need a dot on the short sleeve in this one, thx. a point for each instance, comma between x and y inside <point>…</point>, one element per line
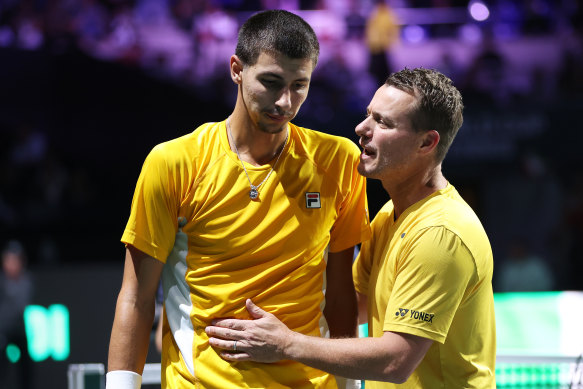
<point>352,225</point>
<point>434,272</point>
<point>361,268</point>
<point>152,224</point>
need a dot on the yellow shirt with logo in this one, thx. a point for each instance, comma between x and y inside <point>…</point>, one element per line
<point>429,273</point>
<point>191,210</point>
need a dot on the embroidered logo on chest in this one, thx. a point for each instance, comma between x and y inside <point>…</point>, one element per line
<point>313,200</point>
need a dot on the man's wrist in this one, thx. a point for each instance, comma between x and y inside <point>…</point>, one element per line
<point>291,347</point>
<point>123,379</point>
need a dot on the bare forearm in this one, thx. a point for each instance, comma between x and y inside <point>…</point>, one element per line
<point>341,309</point>
<point>391,357</point>
<point>351,358</point>
<point>342,320</point>
<point>130,335</point>
<point>342,316</point>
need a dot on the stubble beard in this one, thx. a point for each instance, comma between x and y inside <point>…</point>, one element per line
<point>375,170</point>
<point>362,170</point>
<point>266,129</point>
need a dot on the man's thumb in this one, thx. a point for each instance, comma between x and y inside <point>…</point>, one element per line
<point>254,310</point>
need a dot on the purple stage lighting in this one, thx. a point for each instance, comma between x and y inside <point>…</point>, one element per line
<point>414,33</point>
<point>479,11</point>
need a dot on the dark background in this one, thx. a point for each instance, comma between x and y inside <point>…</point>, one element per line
<point>76,125</point>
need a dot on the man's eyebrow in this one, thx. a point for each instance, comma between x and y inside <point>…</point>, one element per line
<point>377,116</point>
<point>279,77</point>
<point>271,74</point>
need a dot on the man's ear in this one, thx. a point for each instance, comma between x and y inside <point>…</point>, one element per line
<point>430,141</point>
<point>236,69</point>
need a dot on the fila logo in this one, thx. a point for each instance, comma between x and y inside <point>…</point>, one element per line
<point>313,200</point>
<point>402,312</point>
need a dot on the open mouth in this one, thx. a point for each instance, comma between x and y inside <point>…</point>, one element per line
<point>368,152</point>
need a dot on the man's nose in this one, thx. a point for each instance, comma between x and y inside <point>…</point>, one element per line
<point>362,129</point>
<point>284,100</point>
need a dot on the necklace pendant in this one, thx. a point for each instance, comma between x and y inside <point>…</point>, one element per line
<point>253,193</point>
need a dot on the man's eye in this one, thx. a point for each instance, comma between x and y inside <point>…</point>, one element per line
<point>384,124</point>
<point>270,83</point>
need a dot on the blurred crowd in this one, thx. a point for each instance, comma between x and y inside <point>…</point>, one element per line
<point>188,40</point>
<point>512,163</point>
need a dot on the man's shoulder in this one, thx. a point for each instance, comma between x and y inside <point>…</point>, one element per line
<point>188,145</point>
<point>457,212</point>
<point>323,146</point>
<point>449,211</point>
<point>204,132</point>
<point>445,206</point>
<point>323,137</point>
<point>443,210</point>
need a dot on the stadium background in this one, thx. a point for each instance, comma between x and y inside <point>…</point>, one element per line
<point>87,88</point>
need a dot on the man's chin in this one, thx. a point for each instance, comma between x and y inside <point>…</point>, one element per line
<point>273,129</point>
<point>362,170</point>
<point>368,172</point>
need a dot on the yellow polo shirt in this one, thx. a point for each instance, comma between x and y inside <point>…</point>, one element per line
<point>429,273</point>
<point>192,210</point>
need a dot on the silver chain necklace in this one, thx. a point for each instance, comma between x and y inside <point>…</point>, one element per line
<point>254,192</point>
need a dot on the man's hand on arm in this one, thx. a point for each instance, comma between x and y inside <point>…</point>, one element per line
<point>392,357</point>
<point>134,315</point>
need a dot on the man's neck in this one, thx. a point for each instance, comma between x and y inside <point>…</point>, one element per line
<point>417,187</point>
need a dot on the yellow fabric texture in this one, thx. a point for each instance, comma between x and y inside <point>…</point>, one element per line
<point>429,273</point>
<point>272,250</point>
